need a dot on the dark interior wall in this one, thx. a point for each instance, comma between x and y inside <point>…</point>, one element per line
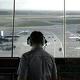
<point>68,68</point>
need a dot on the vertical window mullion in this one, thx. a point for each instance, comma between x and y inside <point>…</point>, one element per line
<point>13,24</point>
<point>64,30</point>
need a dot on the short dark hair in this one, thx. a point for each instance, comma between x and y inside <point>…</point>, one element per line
<point>37,37</point>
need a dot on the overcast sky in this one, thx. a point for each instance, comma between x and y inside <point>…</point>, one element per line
<point>40,4</point>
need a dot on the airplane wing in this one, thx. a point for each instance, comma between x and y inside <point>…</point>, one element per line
<point>11,36</point>
<point>75,37</point>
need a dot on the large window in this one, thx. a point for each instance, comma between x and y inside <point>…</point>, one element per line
<point>72,28</point>
<point>58,20</point>
<point>6,27</point>
<point>43,16</point>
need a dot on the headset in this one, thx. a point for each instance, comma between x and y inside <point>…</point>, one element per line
<point>29,41</point>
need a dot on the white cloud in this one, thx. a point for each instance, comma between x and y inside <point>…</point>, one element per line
<point>33,4</point>
<point>73,5</point>
<point>40,4</point>
<point>6,4</point>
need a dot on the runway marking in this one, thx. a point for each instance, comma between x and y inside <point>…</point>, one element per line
<point>55,44</point>
<point>60,44</point>
<point>77,48</point>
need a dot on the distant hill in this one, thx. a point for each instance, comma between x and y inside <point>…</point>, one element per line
<point>57,13</point>
<point>5,12</point>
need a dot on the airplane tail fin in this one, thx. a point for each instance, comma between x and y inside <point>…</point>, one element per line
<point>2,33</point>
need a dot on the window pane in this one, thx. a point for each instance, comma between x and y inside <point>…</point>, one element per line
<point>5,27</point>
<point>41,15</point>
<point>72,28</point>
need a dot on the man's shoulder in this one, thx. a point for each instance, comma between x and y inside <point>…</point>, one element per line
<point>26,54</point>
<point>48,55</point>
<point>40,52</point>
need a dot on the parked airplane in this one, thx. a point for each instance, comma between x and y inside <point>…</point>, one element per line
<point>75,37</point>
<point>7,38</point>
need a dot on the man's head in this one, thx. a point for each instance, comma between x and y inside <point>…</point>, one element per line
<point>36,38</point>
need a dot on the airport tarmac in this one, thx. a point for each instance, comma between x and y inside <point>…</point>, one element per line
<point>53,45</point>
<point>54,35</point>
<point>53,30</point>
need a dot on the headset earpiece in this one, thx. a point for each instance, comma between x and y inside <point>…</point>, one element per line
<point>44,41</point>
<point>29,41</point>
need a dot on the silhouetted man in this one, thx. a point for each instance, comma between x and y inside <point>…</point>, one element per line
<point>37,64</point>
